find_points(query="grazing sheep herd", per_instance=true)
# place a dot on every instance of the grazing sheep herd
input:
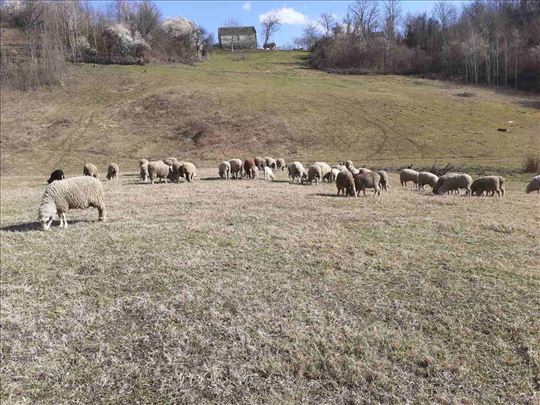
(87, 191)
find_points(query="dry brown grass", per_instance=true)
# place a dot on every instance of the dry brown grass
(531, 163)
(247, 291)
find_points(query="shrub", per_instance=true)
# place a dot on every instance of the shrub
(531, 163)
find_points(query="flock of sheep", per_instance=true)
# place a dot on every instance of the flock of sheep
(87, 191)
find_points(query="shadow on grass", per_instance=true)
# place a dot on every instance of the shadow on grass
(36, 226)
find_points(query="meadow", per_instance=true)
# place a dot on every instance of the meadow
(247, 291)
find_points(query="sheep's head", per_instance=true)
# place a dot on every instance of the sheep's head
(46, 215)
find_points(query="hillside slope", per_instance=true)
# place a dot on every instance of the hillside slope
(244, 104)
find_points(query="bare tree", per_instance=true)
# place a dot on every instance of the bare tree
(327, 22)
(446, 13)
(147, 17)
(309, 37)
(391, 20)
(366, 13)
(231, 22)
(270, 25)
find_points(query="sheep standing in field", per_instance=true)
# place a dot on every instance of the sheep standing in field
(486, 184)
(113, 171)
(268, 174)
(224, 170)
(236, 168)
(260, 163)
(332, 175)
(58, 174)
(159, 170)
(90, 170)
(384, 183)
(427, 178)
(170, 160)
(270, 162)
(534, 185)
(325, 169)
(314, 173)
(354, 171)
(347, 164)
(174, 174)
(188, 171)
(345, 183)
(250, 168)
(280, 164)
(143, 169)
(61, 196)
(407, 175)
(367, 180)
(296, 171)
(453, 181)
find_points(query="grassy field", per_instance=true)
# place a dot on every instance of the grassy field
(255, 292)
(249, 292)
(260, 103)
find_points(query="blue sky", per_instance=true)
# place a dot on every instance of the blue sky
(295, 14)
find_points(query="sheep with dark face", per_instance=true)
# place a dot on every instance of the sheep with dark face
(170, 160)
(236, 168)
(113, 171)
(367, 180)
(534, 185)
(224, 170)
(61, 196)
(332, 176)
(345, 183)
(90, 170)
(407, 175)
(270, 162)
(260, 163)
(143, 169)
(250, 168)
(159, 170)
(314, 174)
(384, 183)
(453, 181)
(427, 178)
(348, 163)
(280, 164)
(486, 185)
(58, 174)
(188, 171)
(325, 169)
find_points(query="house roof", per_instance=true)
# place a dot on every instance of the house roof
(236, 30)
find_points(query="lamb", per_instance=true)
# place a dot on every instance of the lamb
(270, 162)
(325, 168)
(367, 180)
(345, 183)
(236, 168)
(188, 171)
(407, 175)
(159, 169)
(332, 176)
(113, 171)
(534, 185)
(453, 181)
(90, 170)
(224, 170)
(268, 173)
(384, 183)
(58, 174)
(427, 178)
(61, 196)
(297, 171)
(250, 168)
(260, 163)
(486, 184)
(314, 173)
(280, 164)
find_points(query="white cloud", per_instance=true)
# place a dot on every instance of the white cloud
(246, 6)
(286, 15)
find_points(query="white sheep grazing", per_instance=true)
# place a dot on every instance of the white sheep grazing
(314, 173)
(325, 169)
(297, 171)
(224, 170)
(159, 169)
(427, 178)
(113, 172)
(534, 185)
(407, 175)
(61, 196)
(268, 174)
(90, 170)
(332, 176)
(453, 181)
(237, 167)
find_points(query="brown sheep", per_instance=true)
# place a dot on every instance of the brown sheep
(280, 164)
(260, 163)
(90, 170)
(367, 180)
(250, 168)
(345, 183)
(113, 171)
(314, 173)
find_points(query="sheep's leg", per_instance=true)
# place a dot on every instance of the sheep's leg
(102, 213)
(48, 224)
(65, 220)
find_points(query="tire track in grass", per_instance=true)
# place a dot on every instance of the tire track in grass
(67, 146)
